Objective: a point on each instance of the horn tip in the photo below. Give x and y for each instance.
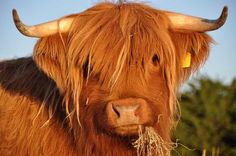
(14, 11)
(223, 16)
(225, 11)
(19, 25)
(15, 15)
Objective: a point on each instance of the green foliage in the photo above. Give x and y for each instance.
(208, 119)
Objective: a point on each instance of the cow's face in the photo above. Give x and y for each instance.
(138, 98)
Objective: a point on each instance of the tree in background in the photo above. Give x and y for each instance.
(208, 119)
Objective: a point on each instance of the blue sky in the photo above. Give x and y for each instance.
(220, 65)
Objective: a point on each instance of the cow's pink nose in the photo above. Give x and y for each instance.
(128, 113)
(125, 114)
(122, 111)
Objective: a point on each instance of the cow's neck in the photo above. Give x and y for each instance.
(103, 144)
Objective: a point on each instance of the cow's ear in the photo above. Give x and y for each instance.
(49, 55)
(192, 50)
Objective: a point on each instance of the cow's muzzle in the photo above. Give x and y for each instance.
(126, 116)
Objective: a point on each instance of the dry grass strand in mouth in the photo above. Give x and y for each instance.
(150, 143)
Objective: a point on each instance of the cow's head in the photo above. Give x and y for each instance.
(119, 66)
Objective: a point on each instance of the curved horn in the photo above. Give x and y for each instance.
(185, 22)
(44, 29)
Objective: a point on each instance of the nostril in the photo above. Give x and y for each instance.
(115, 110)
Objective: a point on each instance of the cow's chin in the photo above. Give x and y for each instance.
(128, 130)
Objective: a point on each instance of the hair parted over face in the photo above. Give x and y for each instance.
(114, 52)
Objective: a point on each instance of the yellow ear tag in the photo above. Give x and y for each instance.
(187, 60)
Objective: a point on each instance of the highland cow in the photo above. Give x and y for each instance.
(101, 82)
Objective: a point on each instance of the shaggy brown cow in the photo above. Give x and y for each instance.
(101, 82)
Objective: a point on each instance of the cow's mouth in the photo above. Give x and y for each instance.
(128, 130)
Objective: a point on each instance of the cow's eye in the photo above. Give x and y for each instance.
(85, 69)
(155, 59)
